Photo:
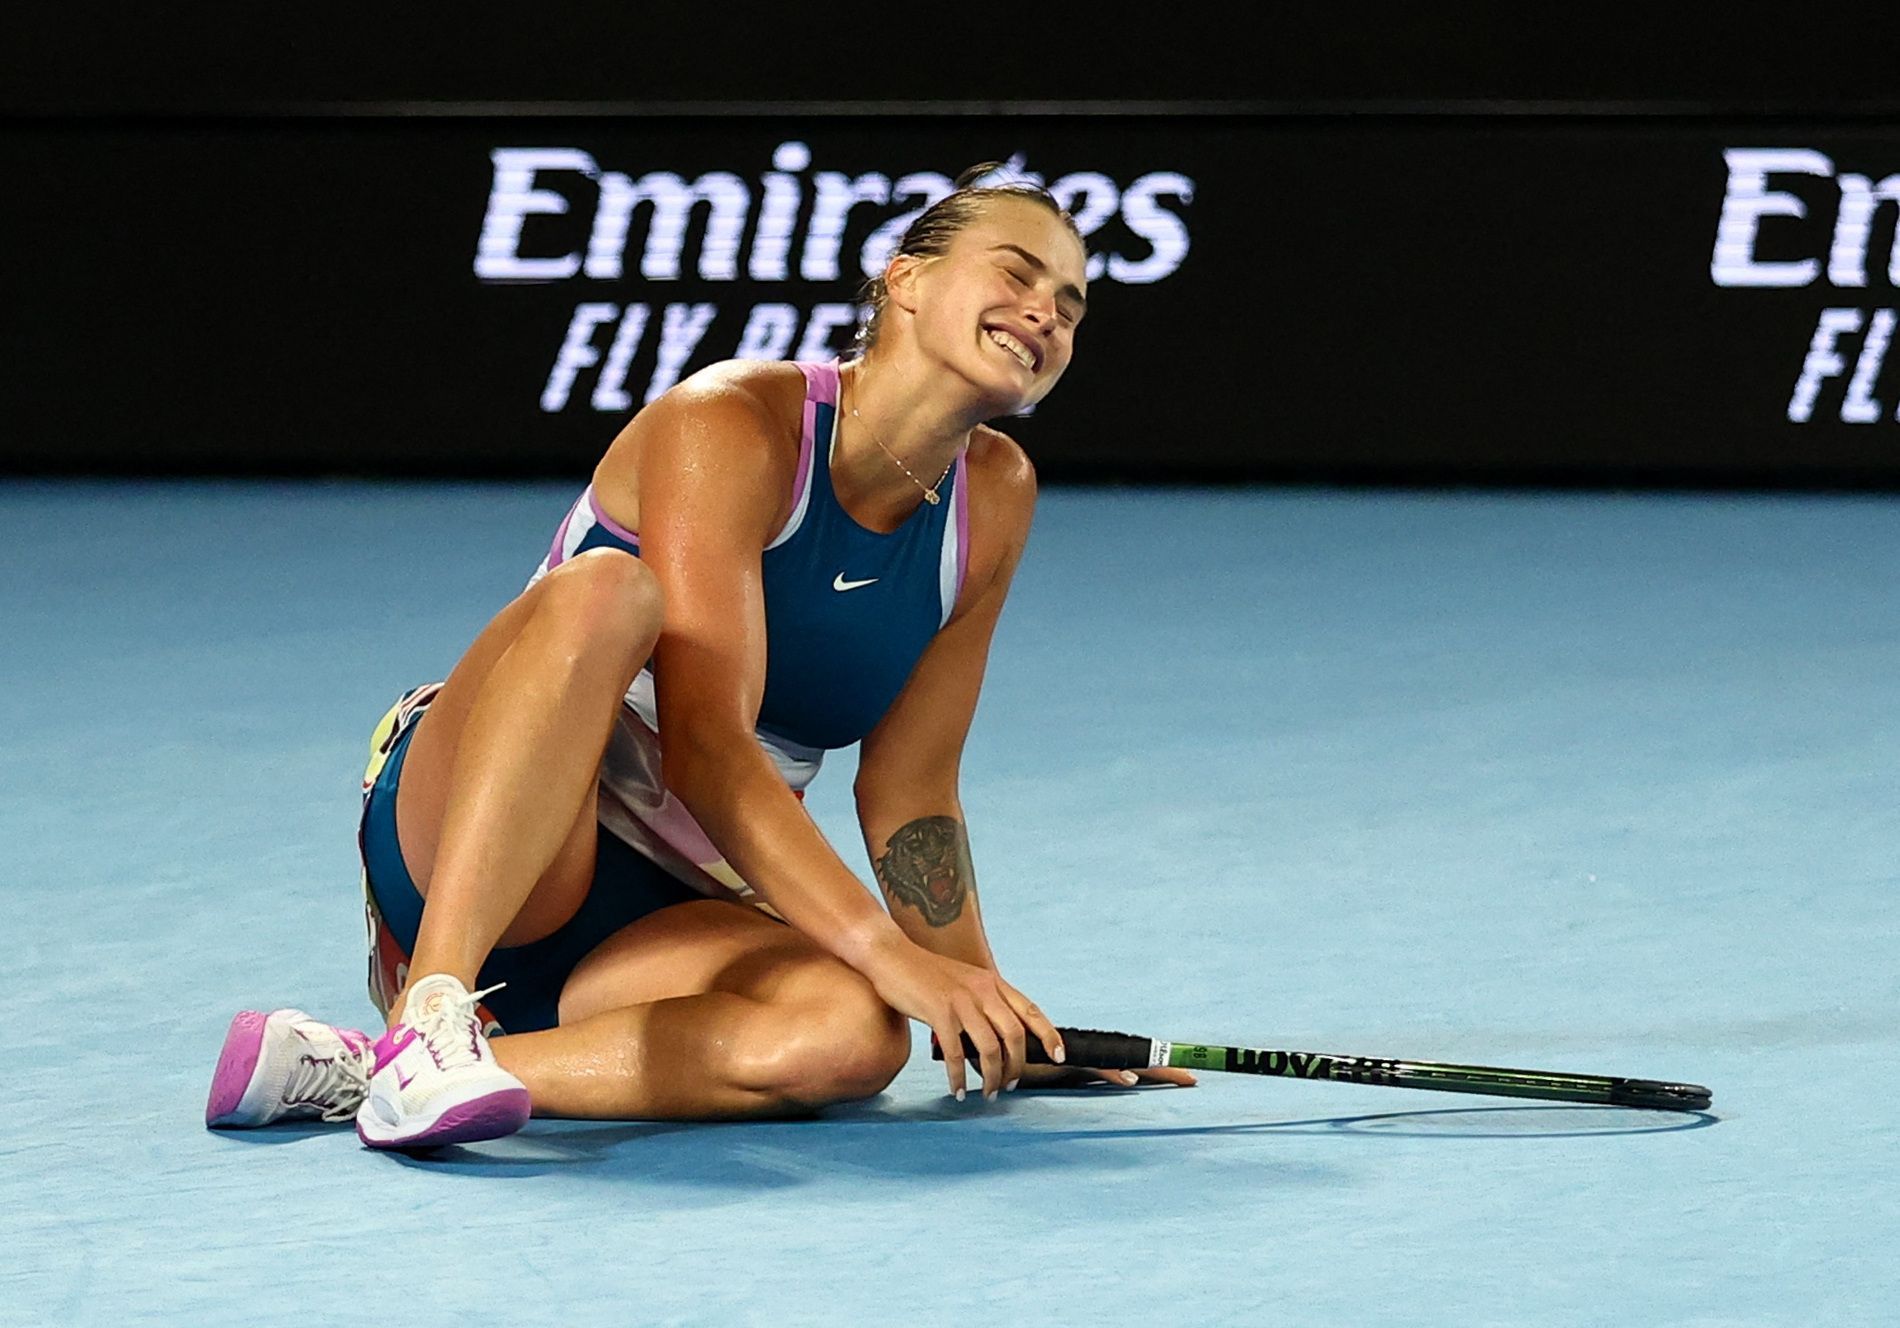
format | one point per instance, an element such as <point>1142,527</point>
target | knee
<point>880,1046</point>
<point>605,598</point>
<point>843,1049</point>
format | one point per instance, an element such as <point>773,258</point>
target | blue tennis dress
<point>848,612</point>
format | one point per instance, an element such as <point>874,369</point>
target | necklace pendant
<point>930,496</point>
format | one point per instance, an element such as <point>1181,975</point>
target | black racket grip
<point>1088,1047</point>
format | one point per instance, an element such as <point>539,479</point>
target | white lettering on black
<point>927,187</point>
<point>778,214</point>
<point>837,194</point>
<point>1091,198</point>
<point>512,199</point>
<point>672,201</point>
<point>825,320</point>
<point>1165,232</point>
<point>532,189</point>
<point>768,334</point>
<point>1823,360</point>
<point>610,390</point>
<point>577,352</point>
<point>1853,226</point>
<point>681,328</point>
<point>1747,201</point>
<point>1859,407</point>
<point>1760,194</point>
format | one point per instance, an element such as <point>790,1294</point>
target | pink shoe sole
<point>492,1117</point>
<point>236,1064</point>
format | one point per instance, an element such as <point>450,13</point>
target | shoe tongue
<point>429,996</point>
<point>317,1035</point>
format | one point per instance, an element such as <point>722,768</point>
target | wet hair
<point>937,225</point>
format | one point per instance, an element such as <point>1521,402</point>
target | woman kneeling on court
<point>772,560</point>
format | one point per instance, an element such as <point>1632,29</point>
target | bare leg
<point>705,1011</point>
<point>496,808</point>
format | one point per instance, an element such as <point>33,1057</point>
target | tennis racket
<point>1120,1051</point>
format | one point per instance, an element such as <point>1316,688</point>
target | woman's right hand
<point>958,1000</point>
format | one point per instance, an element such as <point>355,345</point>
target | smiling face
<point>999,307</point>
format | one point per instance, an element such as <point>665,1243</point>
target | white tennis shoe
<point>434,1079</point>
<point>286,1065</point>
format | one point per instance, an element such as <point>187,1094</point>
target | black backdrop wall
<point>108,57</point>
<point>327,271</point>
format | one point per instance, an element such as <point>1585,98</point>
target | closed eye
<point>1065,310</point>
<point>1069,293</point>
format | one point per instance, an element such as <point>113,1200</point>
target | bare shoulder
<point>740,413</point>
<point>1002,478</point>
<point>735,424</point>
<point>766,393</point>
<point>1002,504</point>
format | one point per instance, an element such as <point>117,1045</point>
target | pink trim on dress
<point>556,554</point>
<point>824,380</point>
<point>612,525</point>
<point>821,386</point>
<point>807,433</point>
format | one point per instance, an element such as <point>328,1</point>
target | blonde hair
<point>937,225</point>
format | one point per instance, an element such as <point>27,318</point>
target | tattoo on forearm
<point>926,864</point>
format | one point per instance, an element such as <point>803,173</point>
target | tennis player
<point>592,888</point>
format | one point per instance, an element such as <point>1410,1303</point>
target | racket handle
<point>1081,1046</point>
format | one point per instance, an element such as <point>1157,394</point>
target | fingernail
<point>1060,1054</point>
<point>990,1096</point>
<point>1128,1077</point>
<point>959,1095</point>
<point>1010,1087</point>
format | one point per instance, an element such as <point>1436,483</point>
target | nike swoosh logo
<point>392,1046</point>
<point>839,583</point>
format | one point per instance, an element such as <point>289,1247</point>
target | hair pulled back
<point>937,225</point>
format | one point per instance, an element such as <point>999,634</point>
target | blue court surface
<point>1575,782</point>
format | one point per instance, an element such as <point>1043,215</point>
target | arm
<point>907,782</point>
<point>923,866</point>
<point>709,494</point>
<point>709,491</point>
<point>908,766</point>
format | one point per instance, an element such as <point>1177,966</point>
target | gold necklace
<point>930,493</point>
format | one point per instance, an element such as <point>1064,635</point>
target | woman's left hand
<point>1066,1076</point>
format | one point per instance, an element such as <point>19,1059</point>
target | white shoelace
<point>341,1080</point>
<point>450,1030</point>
